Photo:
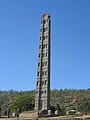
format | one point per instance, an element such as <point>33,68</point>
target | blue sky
<point>19,41</point>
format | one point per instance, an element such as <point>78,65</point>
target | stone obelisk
<point>42,96</point>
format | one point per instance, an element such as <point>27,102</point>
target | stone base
<point>41,113</point>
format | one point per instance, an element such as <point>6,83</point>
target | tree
<point>24,103</point>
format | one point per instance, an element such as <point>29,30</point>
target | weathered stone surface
<point>56,112</point>
<point>49,112</point>
<point>42,97</point>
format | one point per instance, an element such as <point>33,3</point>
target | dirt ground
<point>25,116</point>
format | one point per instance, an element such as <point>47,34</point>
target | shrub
<point>24,103</point>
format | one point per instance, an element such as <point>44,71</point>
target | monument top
<point>46,16</point>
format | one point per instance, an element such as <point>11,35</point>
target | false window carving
<point>39,46</point>
<point>46,63</point>
<point>38,64</point>
<point>42,83</point>
<point>45,82</point>
<point>45,72</point>
<point>43,46</point>
<point>39,55</point>
<point>46,54</point>
<point>38,73</point>
<point>37,83</point>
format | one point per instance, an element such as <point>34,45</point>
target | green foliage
<point>62,100</point>
<point>57,107</point>
<point>84,107</point>
<point>24,103</point>
<point>70,99</point>
<point>9,97</point>
<point>62,111</point>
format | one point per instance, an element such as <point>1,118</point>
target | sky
<point>19,42</point>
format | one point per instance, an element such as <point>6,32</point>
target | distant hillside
<point>71,99</point>
<point>60,99</point>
